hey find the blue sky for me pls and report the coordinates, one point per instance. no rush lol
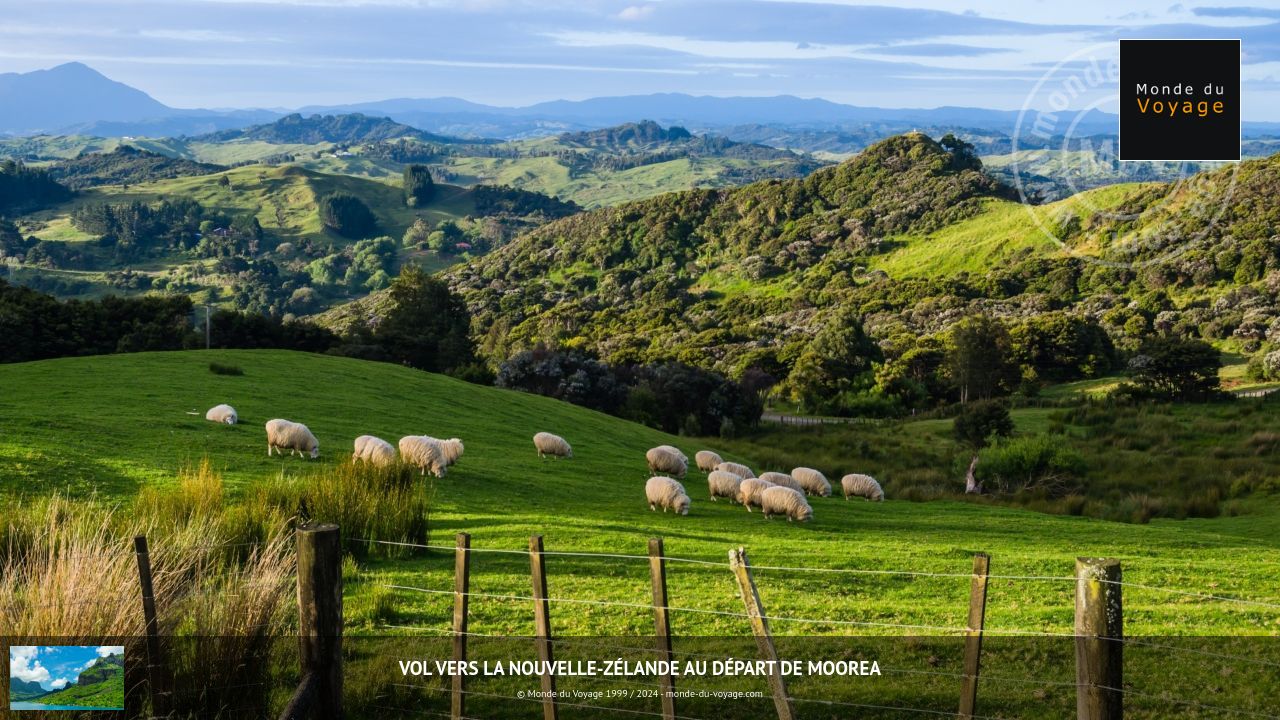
(909, 53)
(54, 667)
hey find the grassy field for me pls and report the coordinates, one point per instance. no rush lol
(105, 427)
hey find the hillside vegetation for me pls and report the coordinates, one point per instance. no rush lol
(126, 165)
(100, 685)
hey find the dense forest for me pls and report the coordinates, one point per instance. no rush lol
(25, 189)
(346, 128)
(127, 165)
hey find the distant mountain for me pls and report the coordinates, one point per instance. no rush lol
(126, 165)
(67, 95)
(99, 685)
(628, 135)
(348, 128)
(24, 690)
(182, 123)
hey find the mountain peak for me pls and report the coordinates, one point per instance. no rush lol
(69, 94)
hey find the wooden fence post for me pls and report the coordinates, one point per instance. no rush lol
(156, 683)
(542, 627)
(973, 634)
(461, 588)
(662, 625)
(320, 617)
(1099, 640)
(760, 627)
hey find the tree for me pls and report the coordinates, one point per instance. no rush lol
(839, 353)
(347, 215)
(418, 186)
(974, 427)
(1174, 368)
(427, 326)
(980, 358)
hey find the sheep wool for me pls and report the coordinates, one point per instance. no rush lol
(553, 445)
(295, 437)
(863, 486)
(813, 482)
(452, 450)
(749, 491)
(707, 460)
(738, 469)
(222, 414)
(678, 452)
(783, 479)
(666, 459)
(668, 494)
(424, 453)
(785, 501)
(373, 450)
(722, 484)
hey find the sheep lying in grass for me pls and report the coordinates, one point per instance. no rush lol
(222, 414)
(707, 460)
(424, 453)
(813, 482)
(738, 469)
(666, 459)
(783, 479)
(295, 437)
(373, 450)
(552, 445)
(665, 493)
(749, 491)
(863, 486)
(723, 484)
(785, 501)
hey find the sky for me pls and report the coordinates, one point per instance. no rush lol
(54, 667)
(903, 53)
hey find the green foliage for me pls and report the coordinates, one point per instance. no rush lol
(418, 186)
(980, 421)
(979, 359)
(23, 189)
(831, 365)
(1171, 368)
(347, 215)
(1039, 464)
(426, 326)
(126, 165)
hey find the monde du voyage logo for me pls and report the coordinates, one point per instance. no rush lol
(1179, 100)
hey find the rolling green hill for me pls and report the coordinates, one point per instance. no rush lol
(100, 685)
(143, 419)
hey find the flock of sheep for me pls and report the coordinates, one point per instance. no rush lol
(775, 493)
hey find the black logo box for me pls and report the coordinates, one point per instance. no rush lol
(1186, 65)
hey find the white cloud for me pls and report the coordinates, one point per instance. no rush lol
(108, 650)
(23, 664)
(58, 684)
(635, 12)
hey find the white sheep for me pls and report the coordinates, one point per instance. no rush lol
(813, 482)
(863, 486)
(785, 501)
(738, 469)
(707, 460)
(295, 437)
(222, 414)
(666, 493)
(424, 453)
(553, 445)
(452, 450)
(373, 450)
(783, 479)
(723, 484)
(677, 451)
(749, 491)
(666, 459)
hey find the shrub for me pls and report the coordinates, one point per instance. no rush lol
(1034, 463)
(347, 215)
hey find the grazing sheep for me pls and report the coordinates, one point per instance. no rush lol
(863, 486)
(222, 414)
(677, 451)
(738, 469)
(373, 450)
(668, 494)
(552, 445)
(813, 482)
(452, 450)
(749, 491)
(723, 484)
(295, 437)
(707, 460)
(785, 501)
(424, 453)
(783, 479)
(666, 459)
